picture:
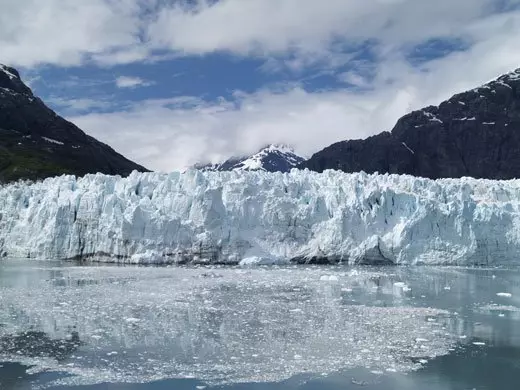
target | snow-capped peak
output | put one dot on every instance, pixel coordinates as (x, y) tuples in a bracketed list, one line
[(271, 158), (278, 148), (11, 82), (8, 71), (514, 75)]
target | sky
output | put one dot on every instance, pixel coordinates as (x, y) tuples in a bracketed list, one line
[(169, 83)]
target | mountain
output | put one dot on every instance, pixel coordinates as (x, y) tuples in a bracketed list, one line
[(36, 143), (224, 217), (475, 133), (272, 158)]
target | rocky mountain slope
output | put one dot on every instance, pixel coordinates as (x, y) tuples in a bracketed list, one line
[(272, 158), (36, 143), (475, 133)]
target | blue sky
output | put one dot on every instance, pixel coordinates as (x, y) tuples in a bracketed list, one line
[(170, 83), (210, 77)]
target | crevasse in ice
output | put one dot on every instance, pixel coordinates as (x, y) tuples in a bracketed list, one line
[(232, 216)]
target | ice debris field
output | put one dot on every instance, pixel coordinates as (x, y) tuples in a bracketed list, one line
[(258, 217), (219, 325)]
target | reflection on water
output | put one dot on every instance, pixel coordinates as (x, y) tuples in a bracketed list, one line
[(476, 368), (471, 367), (38, 344), (301, 328), (14, 376)]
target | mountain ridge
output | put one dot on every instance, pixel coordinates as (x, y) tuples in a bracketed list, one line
[(270, 158), (474, 133), (36, 143)]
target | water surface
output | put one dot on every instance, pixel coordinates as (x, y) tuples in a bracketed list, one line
[(105, 327)]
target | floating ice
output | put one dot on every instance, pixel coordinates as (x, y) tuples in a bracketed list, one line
[(246, 325), (504, 295), (329, 278), (501, 308), (257, 260)]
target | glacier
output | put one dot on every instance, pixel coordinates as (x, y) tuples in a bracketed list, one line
[(229, 217)]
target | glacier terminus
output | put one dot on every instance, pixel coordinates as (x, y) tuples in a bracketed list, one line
[(260, 217)]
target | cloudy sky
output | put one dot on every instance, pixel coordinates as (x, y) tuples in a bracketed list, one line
[(172, 82)]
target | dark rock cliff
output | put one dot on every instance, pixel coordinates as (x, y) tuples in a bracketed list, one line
[(475, 133), (36, 143)]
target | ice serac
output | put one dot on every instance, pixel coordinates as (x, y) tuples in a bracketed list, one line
[(225, 217)]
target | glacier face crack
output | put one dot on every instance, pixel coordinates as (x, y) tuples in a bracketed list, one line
[(225, 217)]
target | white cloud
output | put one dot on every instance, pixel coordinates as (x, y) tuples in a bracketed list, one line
[(79, 105), (175, 133), (112, 32), (311, 29), (131, 82), (34, 32), (288, 34)]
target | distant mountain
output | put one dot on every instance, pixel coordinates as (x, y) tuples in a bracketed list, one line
[(36, 143), (475, 133), (272, 158)]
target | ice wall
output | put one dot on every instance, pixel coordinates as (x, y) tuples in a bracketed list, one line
[(230, 216)]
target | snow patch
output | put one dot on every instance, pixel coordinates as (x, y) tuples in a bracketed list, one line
[(432, 117), (53, 141), (514, 75), (406, 146), (4, 69)]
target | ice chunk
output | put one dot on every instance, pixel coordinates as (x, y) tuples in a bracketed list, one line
[(329, 278), (257, 260), (240, 327)]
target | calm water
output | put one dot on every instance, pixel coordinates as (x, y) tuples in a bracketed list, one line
[(103, 327)]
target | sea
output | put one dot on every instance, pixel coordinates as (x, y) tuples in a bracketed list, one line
[(68, 325)]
